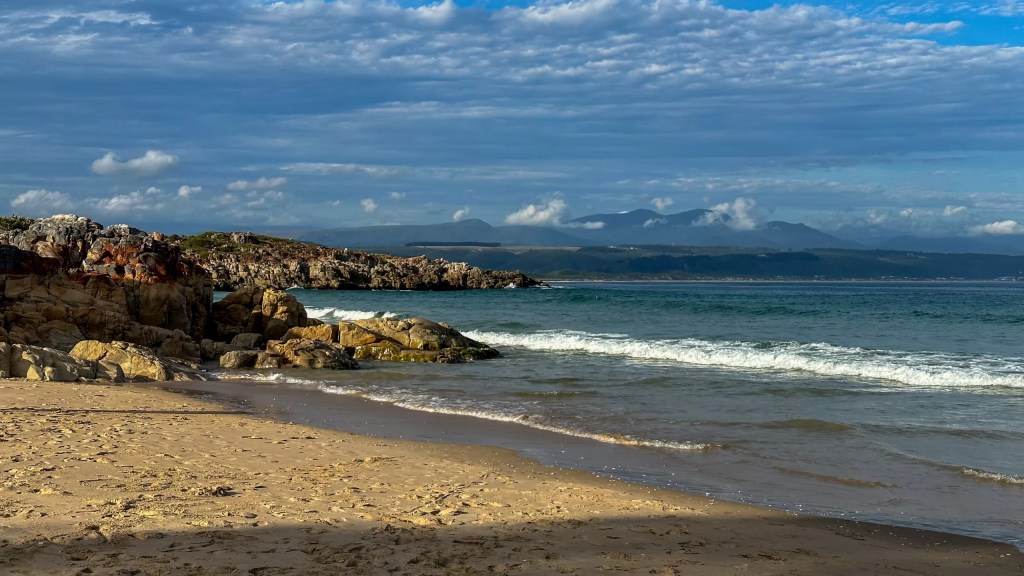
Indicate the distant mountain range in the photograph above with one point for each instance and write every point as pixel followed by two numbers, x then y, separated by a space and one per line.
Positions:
pixel 693 227
pixel 646 227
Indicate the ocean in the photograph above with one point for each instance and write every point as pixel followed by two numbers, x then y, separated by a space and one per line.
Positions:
pixel 899 403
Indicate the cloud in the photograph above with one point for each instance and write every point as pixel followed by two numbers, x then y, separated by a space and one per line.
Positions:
pixel 132 203
pixel 1000 228
pixel 42 202
pixel 460 214
pixel 262 183
pixel 325 168
pixel 662 203
pixel 152 163
pixel 529 97
pixel 396 195
pixel 595 225
pixel 953 210
pixel 740 214
pixel 188 191
pixel 369 206
pixel 652 222
pixel 548 213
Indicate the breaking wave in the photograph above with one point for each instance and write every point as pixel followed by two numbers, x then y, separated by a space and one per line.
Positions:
pixel 917 369
pixel 339 314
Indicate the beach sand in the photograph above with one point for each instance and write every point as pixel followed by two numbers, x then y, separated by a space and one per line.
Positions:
pixel 100 479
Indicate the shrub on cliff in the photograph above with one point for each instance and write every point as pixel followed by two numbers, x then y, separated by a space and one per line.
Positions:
pixel 15 222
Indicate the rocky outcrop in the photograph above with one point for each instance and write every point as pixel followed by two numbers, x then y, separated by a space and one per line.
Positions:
pixel 66 279
pixel 411 340
pixel 237 260
pixel 81 302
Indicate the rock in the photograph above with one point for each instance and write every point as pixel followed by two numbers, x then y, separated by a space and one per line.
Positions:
pixel 325 332
pixel 247 340
pixel 412 340
pixel 118 361
pixel 145 278
pixel 40 363
pixel 390 351
pixel 179 345
pixel 239 359
pixel 307 353
pixel 267 360
pixel 243 259
pixel 258 310
pixel 280 312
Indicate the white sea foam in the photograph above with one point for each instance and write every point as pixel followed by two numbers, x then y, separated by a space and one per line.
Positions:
pixel 918 369
pixel 337 314
pixel 994 477
pixel 276 377
pixel 426 404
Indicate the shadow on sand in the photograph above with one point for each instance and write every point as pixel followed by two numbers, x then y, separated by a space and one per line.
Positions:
pixel 243 544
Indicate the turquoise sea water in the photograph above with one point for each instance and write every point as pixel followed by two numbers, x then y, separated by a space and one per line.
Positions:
pixel 899 403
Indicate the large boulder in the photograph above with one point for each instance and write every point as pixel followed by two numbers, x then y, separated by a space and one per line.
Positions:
pixel 119 361
pixel 308 353
pixel 268 312
pixel 413 339
pixel 41 363
pixel 239 359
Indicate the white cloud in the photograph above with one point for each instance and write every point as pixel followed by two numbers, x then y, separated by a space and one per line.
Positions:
pixel 1001 228
pixel 262 183
pixel 742 214
pixel 41 202
pixel 151 163
pixel 369 206
pixel 325 168
pixel 662 203
pixel 132 203
pixel 652 222
pixel 595 225
pixel 460 214
pixel 188 191
pixel 548 213
pixel 396 195
pixel 953 210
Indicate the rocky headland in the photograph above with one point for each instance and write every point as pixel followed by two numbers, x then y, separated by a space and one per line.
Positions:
pixel 242 259
pixel 84 302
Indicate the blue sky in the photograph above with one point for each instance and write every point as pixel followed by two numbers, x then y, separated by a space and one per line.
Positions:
pixel 891 117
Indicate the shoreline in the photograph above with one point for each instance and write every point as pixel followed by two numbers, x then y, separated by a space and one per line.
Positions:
pixel 104 477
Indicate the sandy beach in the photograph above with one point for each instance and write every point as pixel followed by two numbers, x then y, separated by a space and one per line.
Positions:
pixel 102 479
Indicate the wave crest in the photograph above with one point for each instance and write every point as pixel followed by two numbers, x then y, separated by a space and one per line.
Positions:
pixel 923 369
pixel 338 314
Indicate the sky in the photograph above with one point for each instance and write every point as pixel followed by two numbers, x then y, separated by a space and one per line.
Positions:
pixel 853 117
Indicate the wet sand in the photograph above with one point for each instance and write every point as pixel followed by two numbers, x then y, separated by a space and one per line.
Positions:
pixel 100 479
